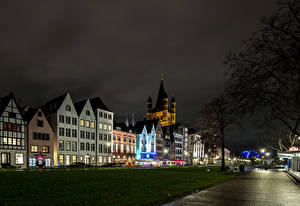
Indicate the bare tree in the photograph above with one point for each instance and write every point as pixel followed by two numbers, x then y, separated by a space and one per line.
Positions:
pixel 216 116
pixel 265 75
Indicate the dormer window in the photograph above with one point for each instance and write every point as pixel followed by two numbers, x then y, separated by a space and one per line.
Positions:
pixel 87 113
pixel 68 108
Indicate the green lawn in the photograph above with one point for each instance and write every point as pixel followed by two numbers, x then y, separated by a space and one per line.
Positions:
pixel 130 186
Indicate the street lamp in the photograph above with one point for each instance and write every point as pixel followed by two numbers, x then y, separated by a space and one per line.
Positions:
pixel 262 150
pixel 268 154
pixel 165 151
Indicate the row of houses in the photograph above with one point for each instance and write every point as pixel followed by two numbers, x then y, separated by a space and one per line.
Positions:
pixel 61 133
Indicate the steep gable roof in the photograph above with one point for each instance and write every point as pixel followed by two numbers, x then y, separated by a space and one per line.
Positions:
pixel 29 112
pixel 54 104
pixel 79 106
pixel 97 103
pixel 4 102
pixel 139 126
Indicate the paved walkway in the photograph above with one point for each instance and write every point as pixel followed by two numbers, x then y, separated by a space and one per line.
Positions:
pixel 259 188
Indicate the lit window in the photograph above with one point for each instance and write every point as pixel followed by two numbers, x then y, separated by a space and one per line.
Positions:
pixel 10 141
pixel 68 160
pixel 14 141
pixel 87 123
pixel 100 159
pixel 19 159
pixel 18 142
pixel 45 149
pixel 100 126
pixel 105 127
pixel 109 127
pixel 34 148
pixel 61 159
pixel 92 124
pixel 32 162
pixel 82 122
pixel 5 140
pixel 74 158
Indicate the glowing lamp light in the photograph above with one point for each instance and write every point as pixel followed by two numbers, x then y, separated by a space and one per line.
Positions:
pixel 262 150
pixel 293 149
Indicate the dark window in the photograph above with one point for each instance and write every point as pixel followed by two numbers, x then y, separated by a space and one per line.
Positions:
pixel 43 136
pixel 11 115
pixel 47 136
pixel 74 121
pixel 100 114
pixel 40 123
pixel 109 116
pixel 74 133
pixel 92 136
pixel 61 119
pixel 82 134
pixel 68 120
pixel 87 113
pixel 100 137
pixel 87 146
pixel 109 137
pixel 114 137
pixel 39 136
pixel 92 147
pixel 68 132
pixel 105 116
pixel 87 135
pixel 61 145
pixel 39 114
pixel 34 135
pixel 81 146
pixel 68 108
pixel 100 148
pixel 105 137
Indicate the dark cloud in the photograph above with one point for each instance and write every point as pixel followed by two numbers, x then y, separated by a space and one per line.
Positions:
pixel 118 49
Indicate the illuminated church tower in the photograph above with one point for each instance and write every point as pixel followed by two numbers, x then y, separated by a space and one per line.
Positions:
pixel 162 111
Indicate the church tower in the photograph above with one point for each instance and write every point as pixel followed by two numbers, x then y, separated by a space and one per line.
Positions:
pixel 162 111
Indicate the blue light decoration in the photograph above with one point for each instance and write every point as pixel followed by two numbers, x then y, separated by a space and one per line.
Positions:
pixel 250 154
pixel 144 142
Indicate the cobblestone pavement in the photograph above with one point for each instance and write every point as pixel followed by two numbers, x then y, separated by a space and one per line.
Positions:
pixel 259 188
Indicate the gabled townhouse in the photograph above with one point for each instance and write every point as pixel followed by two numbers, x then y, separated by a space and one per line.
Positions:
pixel 104 131
pixel 146 139
pixel 87 132
pixel 63 118
pixel 41 139
pixel 13 140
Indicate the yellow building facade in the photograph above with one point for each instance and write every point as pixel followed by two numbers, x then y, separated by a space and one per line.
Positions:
pixel 163 111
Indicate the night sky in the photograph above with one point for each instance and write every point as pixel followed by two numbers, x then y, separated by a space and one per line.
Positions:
pixel 118 49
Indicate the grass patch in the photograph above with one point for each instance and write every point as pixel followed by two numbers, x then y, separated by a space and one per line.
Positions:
pixel 138 186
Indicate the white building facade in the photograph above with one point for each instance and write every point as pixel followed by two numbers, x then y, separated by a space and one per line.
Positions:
pixel 104 131
pixel 63 118
pixel 86 132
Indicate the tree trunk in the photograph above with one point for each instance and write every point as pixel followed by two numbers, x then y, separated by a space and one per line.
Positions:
pixel 223 153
